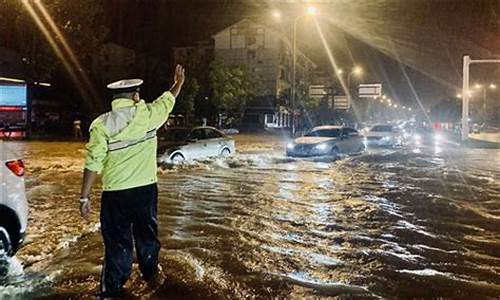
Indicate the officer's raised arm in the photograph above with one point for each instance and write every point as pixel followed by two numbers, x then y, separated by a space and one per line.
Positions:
pixel 161 107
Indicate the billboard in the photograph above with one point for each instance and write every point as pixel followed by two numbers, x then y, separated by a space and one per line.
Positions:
pixel 13 94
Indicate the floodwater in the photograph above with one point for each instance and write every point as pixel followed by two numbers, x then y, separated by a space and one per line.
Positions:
pixel 390 223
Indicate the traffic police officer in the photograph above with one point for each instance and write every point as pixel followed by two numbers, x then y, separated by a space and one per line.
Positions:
pixel 122 146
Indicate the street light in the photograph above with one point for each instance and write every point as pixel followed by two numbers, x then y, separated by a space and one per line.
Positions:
pixel 482 87
pixel 340 71
pixel 311 10
pixel 358 71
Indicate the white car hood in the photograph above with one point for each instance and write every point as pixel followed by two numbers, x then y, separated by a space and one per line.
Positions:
pixel 378 134
pixel 313 140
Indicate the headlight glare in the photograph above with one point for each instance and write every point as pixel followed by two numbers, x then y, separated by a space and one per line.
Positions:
pixel 321 147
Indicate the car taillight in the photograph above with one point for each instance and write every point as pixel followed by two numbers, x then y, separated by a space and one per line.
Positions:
pixel 16 166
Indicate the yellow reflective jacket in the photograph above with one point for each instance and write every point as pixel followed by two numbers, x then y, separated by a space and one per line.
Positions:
pixel 122 144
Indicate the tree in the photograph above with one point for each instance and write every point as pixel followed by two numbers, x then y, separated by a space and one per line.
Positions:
pixel 185 101
pixel 56 37
pixel 79 22
pixel 231 88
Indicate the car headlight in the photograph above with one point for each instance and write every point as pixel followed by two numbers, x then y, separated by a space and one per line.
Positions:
pixel 386 138
pixel 321 147
pixel 290 146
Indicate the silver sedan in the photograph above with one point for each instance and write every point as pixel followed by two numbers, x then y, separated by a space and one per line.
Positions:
pixel 179 144
pixel 327 140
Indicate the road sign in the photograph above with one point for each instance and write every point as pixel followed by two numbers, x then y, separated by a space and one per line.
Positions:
pixel 318 91
pixel 370 90
pixel 341 103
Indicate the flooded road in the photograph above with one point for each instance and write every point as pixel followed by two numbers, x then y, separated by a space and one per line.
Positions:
pixel 388 223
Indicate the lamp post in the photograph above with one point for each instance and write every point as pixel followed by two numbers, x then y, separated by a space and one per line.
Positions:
pixel 358 71
pixel 467 61
pixel 311 11
pixel 482 87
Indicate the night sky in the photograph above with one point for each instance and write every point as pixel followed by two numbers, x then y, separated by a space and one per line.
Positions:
pixel 423 38
pixel 414 47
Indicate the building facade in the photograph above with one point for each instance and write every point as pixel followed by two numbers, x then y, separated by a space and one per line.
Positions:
pixel 267 54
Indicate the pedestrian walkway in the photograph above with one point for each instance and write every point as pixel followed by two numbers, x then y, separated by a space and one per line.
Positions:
pixel 484 140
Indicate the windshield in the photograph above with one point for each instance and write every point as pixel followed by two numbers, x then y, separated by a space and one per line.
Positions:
pixel 382 128
pixel 176 134
pixel 324 133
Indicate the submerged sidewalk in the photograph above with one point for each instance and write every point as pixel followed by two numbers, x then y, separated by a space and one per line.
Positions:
pixel 484 140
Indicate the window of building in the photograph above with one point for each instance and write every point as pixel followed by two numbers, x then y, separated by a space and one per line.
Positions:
pixel 251 41
pixel 237 41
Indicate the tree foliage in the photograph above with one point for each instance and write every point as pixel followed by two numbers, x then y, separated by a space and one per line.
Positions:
pixel 79 22
pixel 231 88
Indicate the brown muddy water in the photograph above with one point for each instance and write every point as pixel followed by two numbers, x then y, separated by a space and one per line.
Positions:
pixel 390 223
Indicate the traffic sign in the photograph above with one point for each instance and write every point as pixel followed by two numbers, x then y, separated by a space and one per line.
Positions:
pixel 341 103
pixel 318 91
pixel 372 90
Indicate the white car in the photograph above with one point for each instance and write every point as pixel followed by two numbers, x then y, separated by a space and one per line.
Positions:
pixel 13 204
pixel 179 144
pixel 327 140
pixel 383 135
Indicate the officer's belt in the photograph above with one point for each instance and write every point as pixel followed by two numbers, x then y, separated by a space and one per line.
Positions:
pixel 118 145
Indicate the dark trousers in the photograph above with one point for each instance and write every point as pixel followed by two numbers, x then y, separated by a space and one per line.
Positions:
pixel 129 216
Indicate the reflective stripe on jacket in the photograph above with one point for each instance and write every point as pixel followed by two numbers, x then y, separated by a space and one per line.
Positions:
pixel 122 144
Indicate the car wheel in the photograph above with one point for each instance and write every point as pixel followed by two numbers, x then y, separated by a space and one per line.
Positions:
pixel 225 152
pixel 5 246
pixel 178 158
pixel 335 152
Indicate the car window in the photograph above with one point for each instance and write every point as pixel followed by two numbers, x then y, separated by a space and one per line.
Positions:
pixel 381 128
pixel 351 132
pixel 324 133
pixel 198 134
pixel 173 134
pixel 212 134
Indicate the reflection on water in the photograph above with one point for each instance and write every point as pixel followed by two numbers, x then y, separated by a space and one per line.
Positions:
pixel 388 223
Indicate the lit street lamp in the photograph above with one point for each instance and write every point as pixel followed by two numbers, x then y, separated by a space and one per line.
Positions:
pixel 311 11
pixel 482 87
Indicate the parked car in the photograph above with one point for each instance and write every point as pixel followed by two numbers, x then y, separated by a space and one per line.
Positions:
pixel 383 135
pixel 13 204
pixel 179 144
pixel 327 140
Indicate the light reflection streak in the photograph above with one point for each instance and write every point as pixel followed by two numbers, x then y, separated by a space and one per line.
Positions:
pixel 72 66
pixel 335 67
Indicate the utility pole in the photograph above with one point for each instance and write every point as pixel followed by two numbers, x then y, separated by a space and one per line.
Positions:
pixel 465 98
pixel 294 62
pixel 465 90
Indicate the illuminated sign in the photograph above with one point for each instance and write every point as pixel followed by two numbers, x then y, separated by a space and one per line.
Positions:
pixel 12 94
pixel 12 108
pixel 370 90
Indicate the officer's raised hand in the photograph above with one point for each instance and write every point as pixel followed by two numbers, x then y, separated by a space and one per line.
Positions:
pixel 178 80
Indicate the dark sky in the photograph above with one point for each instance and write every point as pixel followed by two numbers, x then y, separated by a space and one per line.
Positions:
pixel 423 38
pixel 414 47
